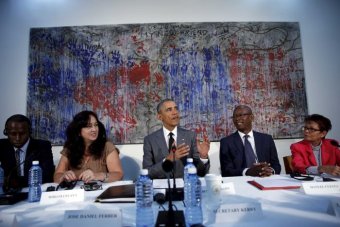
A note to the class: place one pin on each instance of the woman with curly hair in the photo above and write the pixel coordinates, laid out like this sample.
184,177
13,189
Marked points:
87,154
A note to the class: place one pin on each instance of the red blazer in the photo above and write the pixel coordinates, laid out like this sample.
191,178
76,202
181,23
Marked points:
303,156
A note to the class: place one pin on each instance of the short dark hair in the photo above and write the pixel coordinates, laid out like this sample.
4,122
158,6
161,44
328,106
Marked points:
18,118
323,122
243,107
160,104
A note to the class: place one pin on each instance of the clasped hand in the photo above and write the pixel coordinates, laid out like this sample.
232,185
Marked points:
85,176
261,169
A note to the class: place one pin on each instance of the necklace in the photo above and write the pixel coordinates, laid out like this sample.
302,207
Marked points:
86,160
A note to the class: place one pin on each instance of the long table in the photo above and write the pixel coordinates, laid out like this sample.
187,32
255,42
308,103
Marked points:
280,207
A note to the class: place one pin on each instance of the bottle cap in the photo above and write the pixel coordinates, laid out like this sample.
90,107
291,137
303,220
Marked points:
35,162
144,172
191,160
192,171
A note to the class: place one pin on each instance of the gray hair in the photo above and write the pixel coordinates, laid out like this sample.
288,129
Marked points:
160,104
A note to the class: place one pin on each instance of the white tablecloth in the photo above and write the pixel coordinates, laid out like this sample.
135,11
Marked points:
280,207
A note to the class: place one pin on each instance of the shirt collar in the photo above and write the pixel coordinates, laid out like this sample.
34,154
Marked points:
23,148
250,134
166,132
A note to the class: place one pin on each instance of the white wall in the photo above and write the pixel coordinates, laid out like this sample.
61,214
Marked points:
319,24
136,152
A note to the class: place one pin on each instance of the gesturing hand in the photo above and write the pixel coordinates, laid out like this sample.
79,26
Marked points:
203,147
181,151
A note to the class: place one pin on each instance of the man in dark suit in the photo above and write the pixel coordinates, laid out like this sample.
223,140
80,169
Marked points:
19,150
157,149
247,152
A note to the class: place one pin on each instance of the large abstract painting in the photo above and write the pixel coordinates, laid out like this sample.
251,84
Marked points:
122,71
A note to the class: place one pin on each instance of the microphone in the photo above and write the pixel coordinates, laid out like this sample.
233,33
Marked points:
177,193
13,184
159,198
173,149
170,217
168,166
201,170
335,143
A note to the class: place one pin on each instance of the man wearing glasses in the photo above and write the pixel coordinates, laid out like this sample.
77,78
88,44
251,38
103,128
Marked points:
315,154
247,152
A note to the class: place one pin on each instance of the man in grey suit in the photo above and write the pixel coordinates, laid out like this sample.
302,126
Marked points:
157,150
247,152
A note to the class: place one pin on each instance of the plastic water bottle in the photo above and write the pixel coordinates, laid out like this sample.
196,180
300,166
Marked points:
1,180
144,200
190,164
34,182
192,197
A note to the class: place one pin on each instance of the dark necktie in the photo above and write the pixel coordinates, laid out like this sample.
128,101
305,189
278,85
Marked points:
17,158
171,141
249,152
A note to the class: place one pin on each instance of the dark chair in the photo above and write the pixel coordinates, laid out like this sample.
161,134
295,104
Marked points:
287,160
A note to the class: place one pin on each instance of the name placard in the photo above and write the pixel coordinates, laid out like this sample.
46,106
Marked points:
227,189
317,188
334,207
66,196
238,212
89,218
8,220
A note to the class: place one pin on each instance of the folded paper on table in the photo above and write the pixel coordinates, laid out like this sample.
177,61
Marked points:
118,194
275,184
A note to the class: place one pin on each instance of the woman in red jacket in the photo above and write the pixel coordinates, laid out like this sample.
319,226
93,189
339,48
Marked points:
315,154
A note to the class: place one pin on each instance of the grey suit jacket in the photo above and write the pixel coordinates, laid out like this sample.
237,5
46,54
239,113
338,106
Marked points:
155,150
232,157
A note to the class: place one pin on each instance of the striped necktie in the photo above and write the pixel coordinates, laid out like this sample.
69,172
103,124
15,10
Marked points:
171,141
249,152
18,160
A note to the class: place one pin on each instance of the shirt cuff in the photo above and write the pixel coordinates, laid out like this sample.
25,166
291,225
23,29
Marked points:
204,160
244,171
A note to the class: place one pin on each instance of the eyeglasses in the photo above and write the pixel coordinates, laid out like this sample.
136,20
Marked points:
240,115
91,186
67,185
310,129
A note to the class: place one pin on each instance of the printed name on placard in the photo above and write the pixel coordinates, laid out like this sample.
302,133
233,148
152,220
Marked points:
66,196
238,212
321,187
87,218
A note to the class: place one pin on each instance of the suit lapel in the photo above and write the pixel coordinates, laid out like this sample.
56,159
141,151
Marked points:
238,143
311,156
181,138
30,154
258,146
325,154
160,140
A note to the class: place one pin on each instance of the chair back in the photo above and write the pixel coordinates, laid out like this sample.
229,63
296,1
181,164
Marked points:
287,160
